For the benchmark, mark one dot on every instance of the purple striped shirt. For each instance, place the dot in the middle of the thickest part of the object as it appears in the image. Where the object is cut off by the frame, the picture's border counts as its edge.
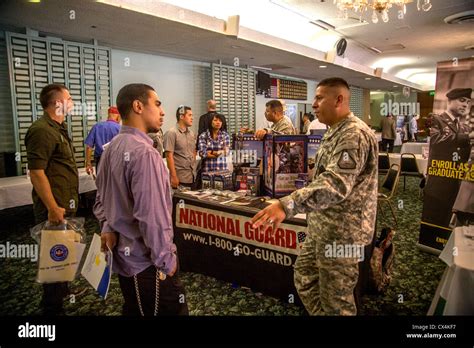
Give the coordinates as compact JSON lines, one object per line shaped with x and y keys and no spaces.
{"x":134,"y":200}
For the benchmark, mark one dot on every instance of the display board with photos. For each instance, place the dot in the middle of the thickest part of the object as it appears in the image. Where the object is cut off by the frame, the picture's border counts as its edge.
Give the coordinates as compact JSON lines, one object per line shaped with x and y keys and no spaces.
{"x":291,"y":89}
{"x":247,"y":144}
{"x":288,"y":89}
{"x":314,"y":142}
{"x":285,"y":163}
{"x":247,"y":160}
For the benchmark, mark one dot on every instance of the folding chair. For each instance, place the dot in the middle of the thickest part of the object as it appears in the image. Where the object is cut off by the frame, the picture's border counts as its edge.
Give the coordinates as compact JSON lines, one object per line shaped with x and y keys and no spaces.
{"x":409,"y":167}
{"x":390,"y":184}
{"x":384,"y":163}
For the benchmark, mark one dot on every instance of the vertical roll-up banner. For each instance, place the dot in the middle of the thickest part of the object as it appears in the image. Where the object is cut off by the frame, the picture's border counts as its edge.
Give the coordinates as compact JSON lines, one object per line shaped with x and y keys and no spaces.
{"x":449,"y":151}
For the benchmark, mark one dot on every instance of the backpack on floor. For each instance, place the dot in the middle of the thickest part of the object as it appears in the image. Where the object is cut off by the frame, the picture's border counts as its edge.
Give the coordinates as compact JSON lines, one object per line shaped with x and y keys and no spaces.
{"x":381,"y":262}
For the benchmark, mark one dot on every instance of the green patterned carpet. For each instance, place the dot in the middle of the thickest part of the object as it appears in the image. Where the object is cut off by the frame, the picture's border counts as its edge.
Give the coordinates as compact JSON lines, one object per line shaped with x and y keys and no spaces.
{"x":416,"y":276}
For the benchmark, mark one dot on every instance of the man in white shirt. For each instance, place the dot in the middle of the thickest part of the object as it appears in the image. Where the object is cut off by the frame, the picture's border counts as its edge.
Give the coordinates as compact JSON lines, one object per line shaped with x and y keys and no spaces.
{"x":315,"y":124}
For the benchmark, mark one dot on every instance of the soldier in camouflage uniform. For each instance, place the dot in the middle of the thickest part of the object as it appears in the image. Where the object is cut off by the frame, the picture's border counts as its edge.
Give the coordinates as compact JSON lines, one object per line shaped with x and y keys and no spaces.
{"x":340,"y":202}
{"x":281,"y":124}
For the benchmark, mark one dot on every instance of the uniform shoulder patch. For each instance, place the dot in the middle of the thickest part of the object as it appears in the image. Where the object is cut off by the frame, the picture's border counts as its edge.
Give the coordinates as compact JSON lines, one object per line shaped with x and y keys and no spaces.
{"x":346,"y":161}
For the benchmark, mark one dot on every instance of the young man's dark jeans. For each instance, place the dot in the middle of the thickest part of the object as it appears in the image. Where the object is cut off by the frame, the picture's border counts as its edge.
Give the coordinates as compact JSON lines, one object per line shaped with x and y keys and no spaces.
{"x":172,"y":297}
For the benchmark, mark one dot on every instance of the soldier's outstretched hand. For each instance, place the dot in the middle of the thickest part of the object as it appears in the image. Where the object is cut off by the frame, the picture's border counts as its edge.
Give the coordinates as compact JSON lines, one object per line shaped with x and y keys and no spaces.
{"x":274,"y":214}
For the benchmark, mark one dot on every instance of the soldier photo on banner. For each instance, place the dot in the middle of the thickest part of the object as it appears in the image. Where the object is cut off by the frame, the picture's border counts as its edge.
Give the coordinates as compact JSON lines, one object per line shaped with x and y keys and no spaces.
{"x":464,"y":204}
{"x":448,"y":151}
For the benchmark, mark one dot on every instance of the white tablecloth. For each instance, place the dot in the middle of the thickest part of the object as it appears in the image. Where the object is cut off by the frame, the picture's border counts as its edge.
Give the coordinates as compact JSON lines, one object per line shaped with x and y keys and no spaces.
{"x":415,"y":148}
{"x":15,"y":191}
{"x":457,"y":284}
{"x":422,"y":162}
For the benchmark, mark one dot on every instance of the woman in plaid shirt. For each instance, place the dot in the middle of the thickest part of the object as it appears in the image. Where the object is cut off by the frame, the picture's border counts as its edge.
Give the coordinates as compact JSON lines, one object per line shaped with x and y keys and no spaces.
{"x":213,"y":146}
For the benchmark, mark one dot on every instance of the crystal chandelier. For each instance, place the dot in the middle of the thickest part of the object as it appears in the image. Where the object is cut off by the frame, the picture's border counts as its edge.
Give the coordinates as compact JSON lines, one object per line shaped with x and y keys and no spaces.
{"x":380,"y":6}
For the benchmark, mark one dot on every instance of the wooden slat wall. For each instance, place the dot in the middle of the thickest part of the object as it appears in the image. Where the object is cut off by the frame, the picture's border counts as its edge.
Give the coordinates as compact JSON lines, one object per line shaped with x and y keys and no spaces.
{"x":234,"y":91}
{"x":85,"y":69}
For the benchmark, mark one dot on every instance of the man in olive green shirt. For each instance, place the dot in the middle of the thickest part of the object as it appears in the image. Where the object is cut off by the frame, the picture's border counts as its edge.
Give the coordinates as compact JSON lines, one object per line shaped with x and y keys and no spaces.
{"x":53,"y":174}
{"x":281,"y":124}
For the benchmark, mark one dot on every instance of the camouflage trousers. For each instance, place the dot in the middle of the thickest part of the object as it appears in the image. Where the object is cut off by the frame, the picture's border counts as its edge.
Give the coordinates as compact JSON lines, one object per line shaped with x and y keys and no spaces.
{"x":325,"y":285}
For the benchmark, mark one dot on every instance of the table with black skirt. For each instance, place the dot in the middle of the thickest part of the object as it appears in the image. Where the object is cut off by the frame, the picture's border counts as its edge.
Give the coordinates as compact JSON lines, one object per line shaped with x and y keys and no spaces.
{"x":218,"y":240}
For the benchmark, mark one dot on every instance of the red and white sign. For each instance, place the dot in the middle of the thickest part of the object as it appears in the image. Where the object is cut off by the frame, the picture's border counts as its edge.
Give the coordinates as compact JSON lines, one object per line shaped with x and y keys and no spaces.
{"x":287,"y":238}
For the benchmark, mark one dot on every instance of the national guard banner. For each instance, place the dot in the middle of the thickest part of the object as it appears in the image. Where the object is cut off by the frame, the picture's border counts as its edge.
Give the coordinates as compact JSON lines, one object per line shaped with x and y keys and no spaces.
{"x":219,"y":241}
{"x":448,"y":151}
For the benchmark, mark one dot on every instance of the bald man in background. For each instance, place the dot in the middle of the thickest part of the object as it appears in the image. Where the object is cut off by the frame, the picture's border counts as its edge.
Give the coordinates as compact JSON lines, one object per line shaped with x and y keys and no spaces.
{"x":206,"y":119}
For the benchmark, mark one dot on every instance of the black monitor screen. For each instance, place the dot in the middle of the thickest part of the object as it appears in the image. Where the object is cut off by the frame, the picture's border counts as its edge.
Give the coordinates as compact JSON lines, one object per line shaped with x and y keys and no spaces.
{"x":263,"y":82}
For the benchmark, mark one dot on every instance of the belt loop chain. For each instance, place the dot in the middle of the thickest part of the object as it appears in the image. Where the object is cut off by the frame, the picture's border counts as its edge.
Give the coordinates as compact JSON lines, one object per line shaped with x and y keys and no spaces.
{"x":157,"y":293}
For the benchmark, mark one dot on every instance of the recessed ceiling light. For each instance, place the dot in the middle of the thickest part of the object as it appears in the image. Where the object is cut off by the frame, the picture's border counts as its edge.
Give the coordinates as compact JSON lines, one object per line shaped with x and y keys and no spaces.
{"x":323,"y":66}
{"x":235,"y":46}
{"x":376,"y":50}
{"x":395,"y":86}
{"x":368,"y":78}
{"x":261,"y":67}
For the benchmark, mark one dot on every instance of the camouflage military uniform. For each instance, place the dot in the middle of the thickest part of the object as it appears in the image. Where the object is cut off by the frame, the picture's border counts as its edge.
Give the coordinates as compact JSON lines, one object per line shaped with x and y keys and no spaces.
{"x":341,"y":205}
{"x":284,"y":126}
